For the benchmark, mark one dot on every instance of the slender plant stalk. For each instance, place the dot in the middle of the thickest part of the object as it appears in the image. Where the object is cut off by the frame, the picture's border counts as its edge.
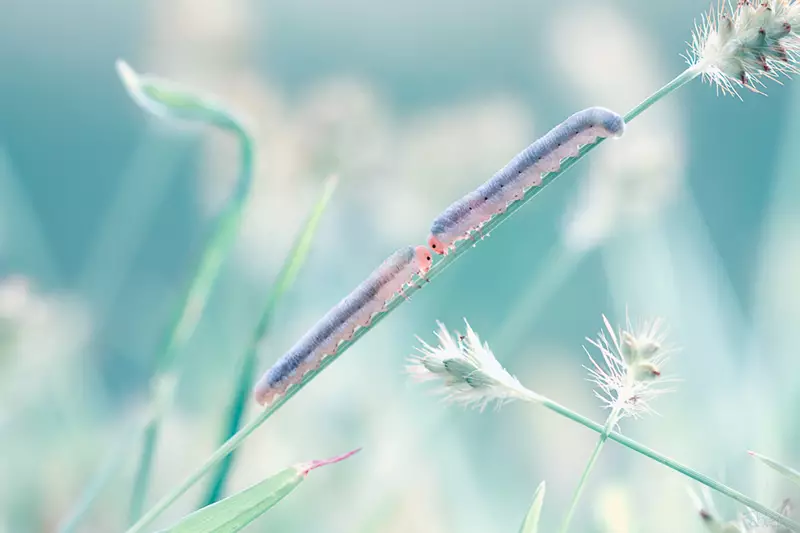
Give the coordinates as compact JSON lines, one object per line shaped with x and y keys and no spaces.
{"x":286,"y":277}
{"x":682,"y":79}
{"x":670,"y":463}
{"x":613,"y":418}
{"x":183,"y":325}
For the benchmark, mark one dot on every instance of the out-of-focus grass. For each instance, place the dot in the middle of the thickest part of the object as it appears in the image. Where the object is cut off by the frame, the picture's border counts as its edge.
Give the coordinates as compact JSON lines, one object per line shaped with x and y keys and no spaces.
{"x":531,"y":522}
{"x":286,"y":277}
{"x":236,"y":512}
{"x":172,"y":102}
{"x":789,"y":473}
{"x":22,"y":240}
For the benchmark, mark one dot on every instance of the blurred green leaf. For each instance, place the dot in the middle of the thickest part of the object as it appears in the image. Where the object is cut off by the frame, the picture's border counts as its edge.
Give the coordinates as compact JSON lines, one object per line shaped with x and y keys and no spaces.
{"x":237,"y":511}
{"x":170,"y":100}
{"x":291,"y":266}
{"x":531,"y":523}
{"x":789,"y":473}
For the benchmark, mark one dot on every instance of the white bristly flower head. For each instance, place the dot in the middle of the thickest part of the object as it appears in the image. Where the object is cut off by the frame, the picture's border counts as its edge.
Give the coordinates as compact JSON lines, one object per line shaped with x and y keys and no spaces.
{"x":739,"y":46}
{"x":467,"y":369}
{"x":629,"y":375}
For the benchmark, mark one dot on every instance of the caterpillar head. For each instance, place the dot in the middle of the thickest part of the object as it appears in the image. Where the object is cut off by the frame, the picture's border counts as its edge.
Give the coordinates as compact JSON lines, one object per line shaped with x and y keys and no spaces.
{"x":424,"y":260}
{"x":436,"y":245}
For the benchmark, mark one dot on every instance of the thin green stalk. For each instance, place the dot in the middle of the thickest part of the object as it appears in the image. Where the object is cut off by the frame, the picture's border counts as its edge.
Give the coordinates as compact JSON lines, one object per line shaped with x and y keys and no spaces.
{"x":142,"y":480}
{"x":288,"y":273}
{"x":185,"y":321}
{"x":686,"y":76}
{"x":670,"y":463}
{"x":610,"y":422}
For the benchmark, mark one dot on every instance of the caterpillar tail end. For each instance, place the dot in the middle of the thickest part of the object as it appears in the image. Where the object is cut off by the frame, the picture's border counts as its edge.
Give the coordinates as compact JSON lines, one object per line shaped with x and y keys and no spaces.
{"x":263,"y":392}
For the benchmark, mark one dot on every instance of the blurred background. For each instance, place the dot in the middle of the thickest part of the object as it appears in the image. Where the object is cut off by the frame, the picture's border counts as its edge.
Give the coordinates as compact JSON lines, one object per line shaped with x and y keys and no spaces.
{"x":692,"y":216}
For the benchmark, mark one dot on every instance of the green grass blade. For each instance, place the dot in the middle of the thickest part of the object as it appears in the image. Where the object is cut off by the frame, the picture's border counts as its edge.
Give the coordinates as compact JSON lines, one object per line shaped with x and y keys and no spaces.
{"x":789,"y":473}
{"x":531,"y":523}
{"x":235,"y":512}
{"x":437,"y":269}
{"x":170,"y":101}
{"x":288,"y":273}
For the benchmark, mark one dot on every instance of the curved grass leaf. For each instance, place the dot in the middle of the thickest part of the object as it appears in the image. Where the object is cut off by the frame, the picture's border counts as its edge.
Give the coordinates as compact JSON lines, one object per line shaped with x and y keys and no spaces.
{"x":167,"y":100}
{"x":789,"y":473}
{"x":288,"y":273}
{"x":235,"y":512}
{"x":531,"y":523}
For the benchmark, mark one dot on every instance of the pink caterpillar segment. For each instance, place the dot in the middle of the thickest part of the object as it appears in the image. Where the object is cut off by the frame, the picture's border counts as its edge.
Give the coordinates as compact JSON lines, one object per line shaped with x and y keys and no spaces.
{"x":508,"y":185}
{"x":356,"y":310}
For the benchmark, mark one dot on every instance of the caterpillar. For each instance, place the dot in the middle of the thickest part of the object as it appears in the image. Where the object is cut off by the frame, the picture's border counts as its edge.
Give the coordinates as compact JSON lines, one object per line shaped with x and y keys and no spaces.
{"x":523,"y":172}
{"x":339,"y":324}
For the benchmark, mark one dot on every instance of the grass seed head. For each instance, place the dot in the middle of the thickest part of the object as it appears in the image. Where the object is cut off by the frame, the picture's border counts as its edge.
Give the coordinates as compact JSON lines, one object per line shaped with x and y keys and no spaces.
{"x":628,"y":373}
{"x":742,"y":45}
{"x":467,"y":370}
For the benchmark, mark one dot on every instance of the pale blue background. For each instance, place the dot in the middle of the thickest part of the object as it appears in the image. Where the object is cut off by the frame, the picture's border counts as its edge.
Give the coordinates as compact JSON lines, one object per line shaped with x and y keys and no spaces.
{"x":414,"y":103}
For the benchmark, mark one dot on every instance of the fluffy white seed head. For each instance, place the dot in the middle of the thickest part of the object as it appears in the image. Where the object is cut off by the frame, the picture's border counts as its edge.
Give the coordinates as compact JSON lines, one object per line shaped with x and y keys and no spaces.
{"x":467,"y":370}
{"x":628,"y":371}
{"x":740,"y":46}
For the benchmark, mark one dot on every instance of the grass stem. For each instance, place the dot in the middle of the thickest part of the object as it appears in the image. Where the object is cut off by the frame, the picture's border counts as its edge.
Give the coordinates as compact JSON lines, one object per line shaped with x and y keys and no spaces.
{"x":285,"y":279}
{"x":183,"y":325}
{"x":670,"y":463}
{"x":573,"y":506}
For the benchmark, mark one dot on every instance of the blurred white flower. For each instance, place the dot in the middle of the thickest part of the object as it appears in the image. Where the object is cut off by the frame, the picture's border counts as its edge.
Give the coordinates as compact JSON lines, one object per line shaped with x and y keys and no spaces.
{"x":38,"y":334}
{"x":633,"y":180}
{"x":21,"y":310}
{"x":629,"y":375}
{"x":614,"y":508}
{"x":738,"y":47}
{"x":17,"y":301}
{"x":468,"y":370}
{"x":199,"y":45}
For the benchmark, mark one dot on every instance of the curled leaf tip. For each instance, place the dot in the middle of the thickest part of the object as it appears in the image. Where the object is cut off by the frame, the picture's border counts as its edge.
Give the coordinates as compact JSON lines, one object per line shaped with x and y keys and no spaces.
{"x":126,"y":73}
{"x":169,"y":100}
{"x":305,"y":468}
